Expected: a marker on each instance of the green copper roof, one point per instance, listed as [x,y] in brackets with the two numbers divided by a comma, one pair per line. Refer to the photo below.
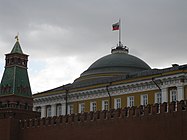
[119,63]
[15,81]
[17,48]
[116,63]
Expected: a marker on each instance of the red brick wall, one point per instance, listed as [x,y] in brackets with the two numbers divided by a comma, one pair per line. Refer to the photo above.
[4,129]
[9,129]
[167,127]
[125,124]
[137,125]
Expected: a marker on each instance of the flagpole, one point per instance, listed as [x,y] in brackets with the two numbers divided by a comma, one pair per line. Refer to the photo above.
[119,32]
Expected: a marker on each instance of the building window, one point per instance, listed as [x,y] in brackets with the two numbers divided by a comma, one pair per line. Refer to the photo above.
[93,106]
[173,95]
[81,107]
[130,101]
[70,109]
[105,105]
[144,99]
[48,111]
[59,109]
[117,103]
[158,97]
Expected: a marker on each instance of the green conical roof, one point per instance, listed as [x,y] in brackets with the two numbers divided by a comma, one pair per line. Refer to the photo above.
[17,48]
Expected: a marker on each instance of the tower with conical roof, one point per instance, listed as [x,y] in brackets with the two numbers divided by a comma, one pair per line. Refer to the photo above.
[15,90]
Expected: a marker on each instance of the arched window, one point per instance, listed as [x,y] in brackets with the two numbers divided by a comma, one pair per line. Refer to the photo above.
[26,106]
[12,61]
[19,61]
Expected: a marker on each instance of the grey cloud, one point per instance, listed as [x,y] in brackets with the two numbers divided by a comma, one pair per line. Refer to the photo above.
[153,30]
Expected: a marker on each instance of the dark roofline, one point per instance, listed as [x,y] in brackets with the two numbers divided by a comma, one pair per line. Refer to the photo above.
[117,78]
[63,87]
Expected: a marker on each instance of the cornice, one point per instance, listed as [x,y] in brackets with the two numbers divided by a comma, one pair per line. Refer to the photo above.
[115,90]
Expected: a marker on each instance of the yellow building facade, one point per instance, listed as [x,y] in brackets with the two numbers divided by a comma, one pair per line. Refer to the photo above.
[114,81]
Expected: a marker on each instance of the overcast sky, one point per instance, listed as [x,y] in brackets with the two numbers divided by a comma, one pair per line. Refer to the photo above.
[64,37]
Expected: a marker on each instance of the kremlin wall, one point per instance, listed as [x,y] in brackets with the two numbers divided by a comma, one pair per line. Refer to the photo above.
[151,122]
[122,100]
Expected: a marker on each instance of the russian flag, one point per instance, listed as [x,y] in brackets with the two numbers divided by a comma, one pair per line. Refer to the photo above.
[115,26]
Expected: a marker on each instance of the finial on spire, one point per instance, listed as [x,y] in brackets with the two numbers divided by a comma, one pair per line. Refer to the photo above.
[16,37]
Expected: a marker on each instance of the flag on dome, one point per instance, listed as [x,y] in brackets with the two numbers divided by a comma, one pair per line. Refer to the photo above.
[115,26]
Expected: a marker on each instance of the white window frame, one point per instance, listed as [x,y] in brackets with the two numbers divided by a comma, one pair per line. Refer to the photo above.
[130,101]
[81,107]
[173,95]
[144,99]
[158,97]
[70,109]
[93,106]
[117,103]
[59,109]
[48,111]
[105,105]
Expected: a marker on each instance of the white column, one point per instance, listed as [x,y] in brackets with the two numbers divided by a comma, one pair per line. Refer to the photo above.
[164,95]
[53,110]
[180,93]
[63,108]
[43,111]
[34,108]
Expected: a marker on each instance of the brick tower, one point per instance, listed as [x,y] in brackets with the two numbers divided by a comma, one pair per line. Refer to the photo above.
[15,91]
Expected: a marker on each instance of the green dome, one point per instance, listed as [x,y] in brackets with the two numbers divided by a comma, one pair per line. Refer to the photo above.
[115,64]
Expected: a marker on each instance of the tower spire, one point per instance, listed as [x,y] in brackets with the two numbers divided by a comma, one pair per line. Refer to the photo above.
[17,37]
[17,47]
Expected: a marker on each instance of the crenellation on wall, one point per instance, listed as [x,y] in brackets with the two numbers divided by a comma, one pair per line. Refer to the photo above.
[173,107]
[182,106]
[141,112]
[130,112]
[155,109]
[164,108]
[125,112]
[48,121]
